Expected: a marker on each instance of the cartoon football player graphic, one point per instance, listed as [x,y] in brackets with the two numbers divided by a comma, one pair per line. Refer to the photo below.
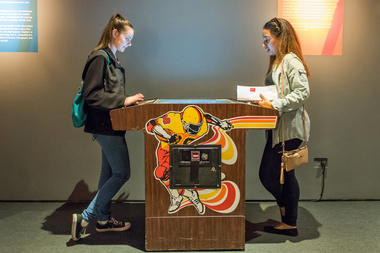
[180,128]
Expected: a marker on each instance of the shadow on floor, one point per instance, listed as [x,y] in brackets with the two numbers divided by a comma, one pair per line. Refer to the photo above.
[59,223]
[257,218]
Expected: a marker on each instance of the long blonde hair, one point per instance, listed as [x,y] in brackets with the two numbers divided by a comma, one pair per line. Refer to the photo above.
[288,42]
[117,22]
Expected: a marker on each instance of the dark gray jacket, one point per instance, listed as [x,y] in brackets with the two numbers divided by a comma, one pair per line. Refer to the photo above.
[103,90]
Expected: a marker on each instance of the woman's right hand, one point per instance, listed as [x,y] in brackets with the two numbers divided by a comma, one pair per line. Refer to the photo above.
[133,99]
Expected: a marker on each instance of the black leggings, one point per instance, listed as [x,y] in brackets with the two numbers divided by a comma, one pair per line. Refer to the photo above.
[286,195]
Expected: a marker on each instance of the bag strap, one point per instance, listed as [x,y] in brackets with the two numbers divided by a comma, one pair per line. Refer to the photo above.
[283,128]
[108,58]
[108,63]
[282,179]
[283,115]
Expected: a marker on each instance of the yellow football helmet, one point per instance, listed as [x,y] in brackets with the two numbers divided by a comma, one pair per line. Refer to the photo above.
[192,120]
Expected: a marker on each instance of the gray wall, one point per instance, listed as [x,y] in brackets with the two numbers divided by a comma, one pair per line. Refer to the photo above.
[182,49]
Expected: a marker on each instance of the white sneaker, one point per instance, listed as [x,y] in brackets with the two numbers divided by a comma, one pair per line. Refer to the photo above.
[194,199]
[175,203]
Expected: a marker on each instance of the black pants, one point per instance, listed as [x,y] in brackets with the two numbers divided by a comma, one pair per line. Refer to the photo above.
[286,195]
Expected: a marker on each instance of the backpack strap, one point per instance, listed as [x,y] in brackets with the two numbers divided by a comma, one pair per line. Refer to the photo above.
[86,66]
[108,58]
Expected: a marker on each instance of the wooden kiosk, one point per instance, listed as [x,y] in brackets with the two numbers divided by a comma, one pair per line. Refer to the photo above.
[220,224]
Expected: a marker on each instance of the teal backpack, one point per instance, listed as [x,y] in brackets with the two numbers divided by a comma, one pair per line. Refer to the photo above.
[77,113]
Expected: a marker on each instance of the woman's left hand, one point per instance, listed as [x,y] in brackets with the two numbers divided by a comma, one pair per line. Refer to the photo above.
[264,102]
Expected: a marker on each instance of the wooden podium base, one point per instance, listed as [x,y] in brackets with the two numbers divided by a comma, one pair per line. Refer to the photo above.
[194,233]
[221,224]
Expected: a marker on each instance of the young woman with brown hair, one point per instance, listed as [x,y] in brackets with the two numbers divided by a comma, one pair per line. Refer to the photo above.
[103,89]
[283,46]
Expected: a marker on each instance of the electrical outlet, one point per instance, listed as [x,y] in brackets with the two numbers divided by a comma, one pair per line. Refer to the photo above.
[319,162]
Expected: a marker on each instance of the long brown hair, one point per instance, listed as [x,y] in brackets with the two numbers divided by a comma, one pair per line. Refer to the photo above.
[288,42]
[117,22]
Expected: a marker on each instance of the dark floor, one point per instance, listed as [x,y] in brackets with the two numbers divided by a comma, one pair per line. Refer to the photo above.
[342,226]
